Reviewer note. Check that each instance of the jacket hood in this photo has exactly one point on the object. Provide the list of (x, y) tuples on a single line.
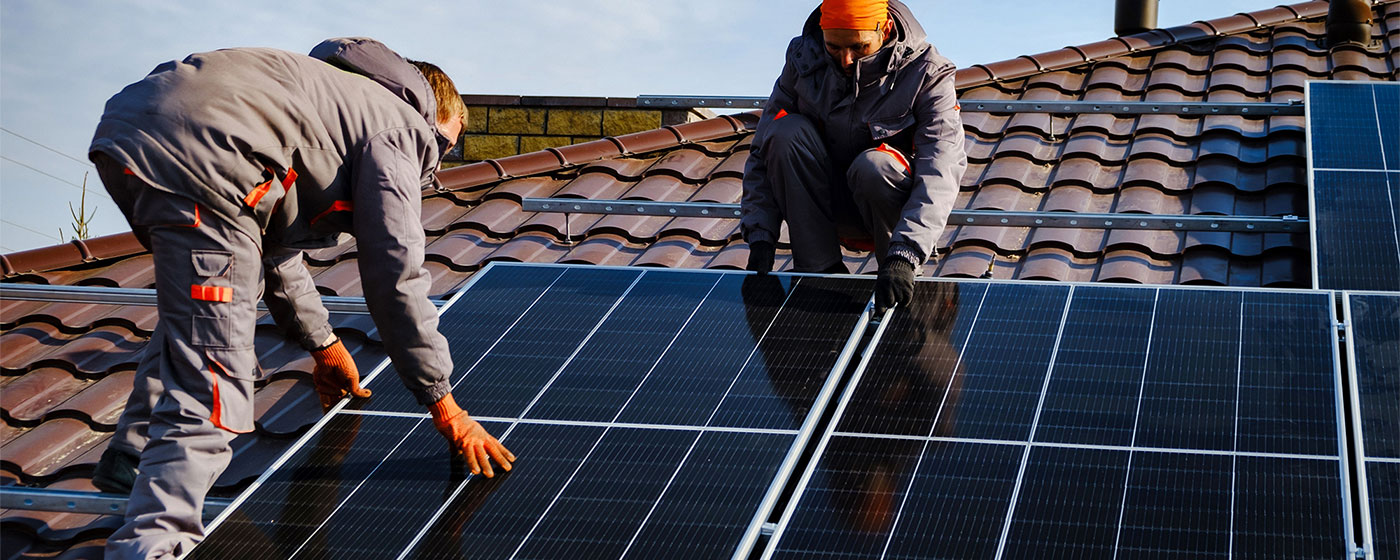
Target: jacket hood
[(372, 59), (910, 40)]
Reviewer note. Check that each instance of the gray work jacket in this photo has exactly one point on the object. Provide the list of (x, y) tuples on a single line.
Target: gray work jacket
[(902, 95), (295, 151)]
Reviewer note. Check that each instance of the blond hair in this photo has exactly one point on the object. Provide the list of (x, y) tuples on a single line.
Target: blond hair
[(449, 102)]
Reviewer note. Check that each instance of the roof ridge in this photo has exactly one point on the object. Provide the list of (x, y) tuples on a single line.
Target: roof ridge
[(1078, 55)]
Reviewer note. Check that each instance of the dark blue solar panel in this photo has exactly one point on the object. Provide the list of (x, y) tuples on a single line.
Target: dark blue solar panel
[(575, 358), (905, 385), (1288, 392), (1188, 394), (1288, 508), (1358, 241), (1175, 423), (1069, 504), (1093, 393), (957, 494), (557, 316), (1004, 364), (398, 468), (1383, 484), (1177, 506), (1375, 332), (1388, 104), (1342, 117)]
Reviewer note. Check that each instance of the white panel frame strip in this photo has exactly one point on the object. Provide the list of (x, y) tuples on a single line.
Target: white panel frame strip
[(1363, 489), (809, 428)]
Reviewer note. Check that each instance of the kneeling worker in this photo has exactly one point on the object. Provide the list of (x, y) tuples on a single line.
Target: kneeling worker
[(860, 140), (227, 164)]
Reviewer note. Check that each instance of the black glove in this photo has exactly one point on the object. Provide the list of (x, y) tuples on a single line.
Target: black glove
[(760, 257), (895, 285)]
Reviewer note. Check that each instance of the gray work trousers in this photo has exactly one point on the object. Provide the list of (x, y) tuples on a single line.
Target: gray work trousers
[(193, 390), (821, 207)]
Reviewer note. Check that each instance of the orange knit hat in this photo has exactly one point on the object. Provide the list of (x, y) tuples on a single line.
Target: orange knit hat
[(854, 14)]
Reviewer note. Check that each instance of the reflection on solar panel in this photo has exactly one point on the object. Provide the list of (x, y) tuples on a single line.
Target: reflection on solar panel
[(995, 420), (656, 414), (1354, 139), (1373, 321)]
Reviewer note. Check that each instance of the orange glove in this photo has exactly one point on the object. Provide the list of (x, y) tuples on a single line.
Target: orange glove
[(466, 436), (335, 375)]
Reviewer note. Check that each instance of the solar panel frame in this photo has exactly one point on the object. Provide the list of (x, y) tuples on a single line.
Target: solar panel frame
[(792, 455), (1388, 168), (1341, 459), (1363, 458)]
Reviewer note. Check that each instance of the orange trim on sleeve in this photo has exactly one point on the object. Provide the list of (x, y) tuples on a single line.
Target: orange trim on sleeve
[(217, 294), (289, 179), (895, 154), (781, 113), (337, 206), (216, 410), (258, 193)]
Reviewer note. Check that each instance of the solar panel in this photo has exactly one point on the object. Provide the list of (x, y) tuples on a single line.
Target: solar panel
[(656, 413), (1373, 325), (1354, 173), (1001, 420)]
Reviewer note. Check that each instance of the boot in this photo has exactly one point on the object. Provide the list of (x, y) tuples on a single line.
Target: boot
[(116, 472)]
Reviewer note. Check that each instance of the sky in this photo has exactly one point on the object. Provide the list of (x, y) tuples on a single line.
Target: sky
[(61, 60)]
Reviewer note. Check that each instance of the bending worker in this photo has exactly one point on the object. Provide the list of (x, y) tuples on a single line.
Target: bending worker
[(860, 141), (227, 164)]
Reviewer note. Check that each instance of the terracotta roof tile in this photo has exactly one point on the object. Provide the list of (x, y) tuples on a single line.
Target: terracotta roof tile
[(462, 249), (470, 175), (530, 247), (603, 249), (42, 452), (100, 404), (28, 398)]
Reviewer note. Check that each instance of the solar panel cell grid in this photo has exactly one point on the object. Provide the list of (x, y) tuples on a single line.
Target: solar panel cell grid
[(1354, 135), (1344, 126), (1374, 331), (1383, 481), (596, 477), (1175, 423), (1356, 231)]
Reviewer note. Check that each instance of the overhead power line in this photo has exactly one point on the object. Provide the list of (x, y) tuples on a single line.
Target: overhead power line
[(30, 229), (37, 143), (55, 177)]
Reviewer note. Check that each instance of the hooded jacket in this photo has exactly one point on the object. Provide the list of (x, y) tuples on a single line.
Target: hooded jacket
[(903, 95), (294, 151)]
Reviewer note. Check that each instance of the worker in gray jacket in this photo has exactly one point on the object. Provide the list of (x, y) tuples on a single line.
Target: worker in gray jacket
[(227, 164), (860, 143)]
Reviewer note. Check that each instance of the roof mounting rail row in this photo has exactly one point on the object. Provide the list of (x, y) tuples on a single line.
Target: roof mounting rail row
[(1073, 220), (75, 501), (1294, 108), (143, 297)]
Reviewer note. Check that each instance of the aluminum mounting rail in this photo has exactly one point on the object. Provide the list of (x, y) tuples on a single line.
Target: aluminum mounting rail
[(1238, 224), (141, 296), (73, 501), (1265, 109)]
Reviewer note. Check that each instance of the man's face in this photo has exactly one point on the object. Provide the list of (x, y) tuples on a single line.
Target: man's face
[(452, 130), (846, 46)]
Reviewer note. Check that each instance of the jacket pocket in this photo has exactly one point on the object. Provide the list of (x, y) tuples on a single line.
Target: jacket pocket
[(210, 319), (884, 128)]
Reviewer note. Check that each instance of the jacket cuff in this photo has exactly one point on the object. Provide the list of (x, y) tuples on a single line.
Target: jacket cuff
[(755, 235), (427, 396), (905, 252), (316, 339)]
